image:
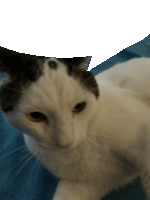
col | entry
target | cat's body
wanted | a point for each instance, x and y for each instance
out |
(101, 148)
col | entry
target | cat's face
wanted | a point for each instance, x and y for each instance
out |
(53, 100)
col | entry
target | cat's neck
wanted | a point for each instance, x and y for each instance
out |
(119, 118)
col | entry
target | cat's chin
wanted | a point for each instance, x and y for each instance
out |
(71, 148)
(65, 149)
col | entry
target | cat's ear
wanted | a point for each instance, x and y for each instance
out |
(76, 61)
(13, 63)
(84, 62)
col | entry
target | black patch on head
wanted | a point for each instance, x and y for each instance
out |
(71, 62)
(9, 95)
(22, 69)
(52, 64)
(77, 67)
(87, 79)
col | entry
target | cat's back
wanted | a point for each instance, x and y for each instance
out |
(136, 68)
(133, 75)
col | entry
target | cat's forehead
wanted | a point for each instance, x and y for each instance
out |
(53, 90)
(24, 71)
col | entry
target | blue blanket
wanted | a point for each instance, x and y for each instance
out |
(22, 180)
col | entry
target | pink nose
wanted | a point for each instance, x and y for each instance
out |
(64, 146)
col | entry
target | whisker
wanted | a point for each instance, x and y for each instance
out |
(20, 161)
(100, 148)
(25, 164)
(23, 147)
(37, 162)
(19, 153)
(122, 144)
(110, 136)
(87, 144)
(110, 154)
(45, 146)
(103, 148)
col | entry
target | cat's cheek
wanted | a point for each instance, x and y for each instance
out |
(79, 138)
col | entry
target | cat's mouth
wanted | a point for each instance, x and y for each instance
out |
(64, 146)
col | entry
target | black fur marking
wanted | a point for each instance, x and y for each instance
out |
(23, 69)
(76, 70)
(52, 64)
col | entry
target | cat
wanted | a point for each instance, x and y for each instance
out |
(92, 132)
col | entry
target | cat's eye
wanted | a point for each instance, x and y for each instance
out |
(36, 117)
(39, 117)
(79, 107)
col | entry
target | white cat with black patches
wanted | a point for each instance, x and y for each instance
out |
(91, 132)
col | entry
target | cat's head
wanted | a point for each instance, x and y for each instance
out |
(51, 99)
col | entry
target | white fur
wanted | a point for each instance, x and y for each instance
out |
(118, 121)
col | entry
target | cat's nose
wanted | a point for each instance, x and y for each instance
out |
(64, 146)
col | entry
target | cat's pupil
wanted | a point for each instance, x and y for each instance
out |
(35, 115)
(78, 106)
